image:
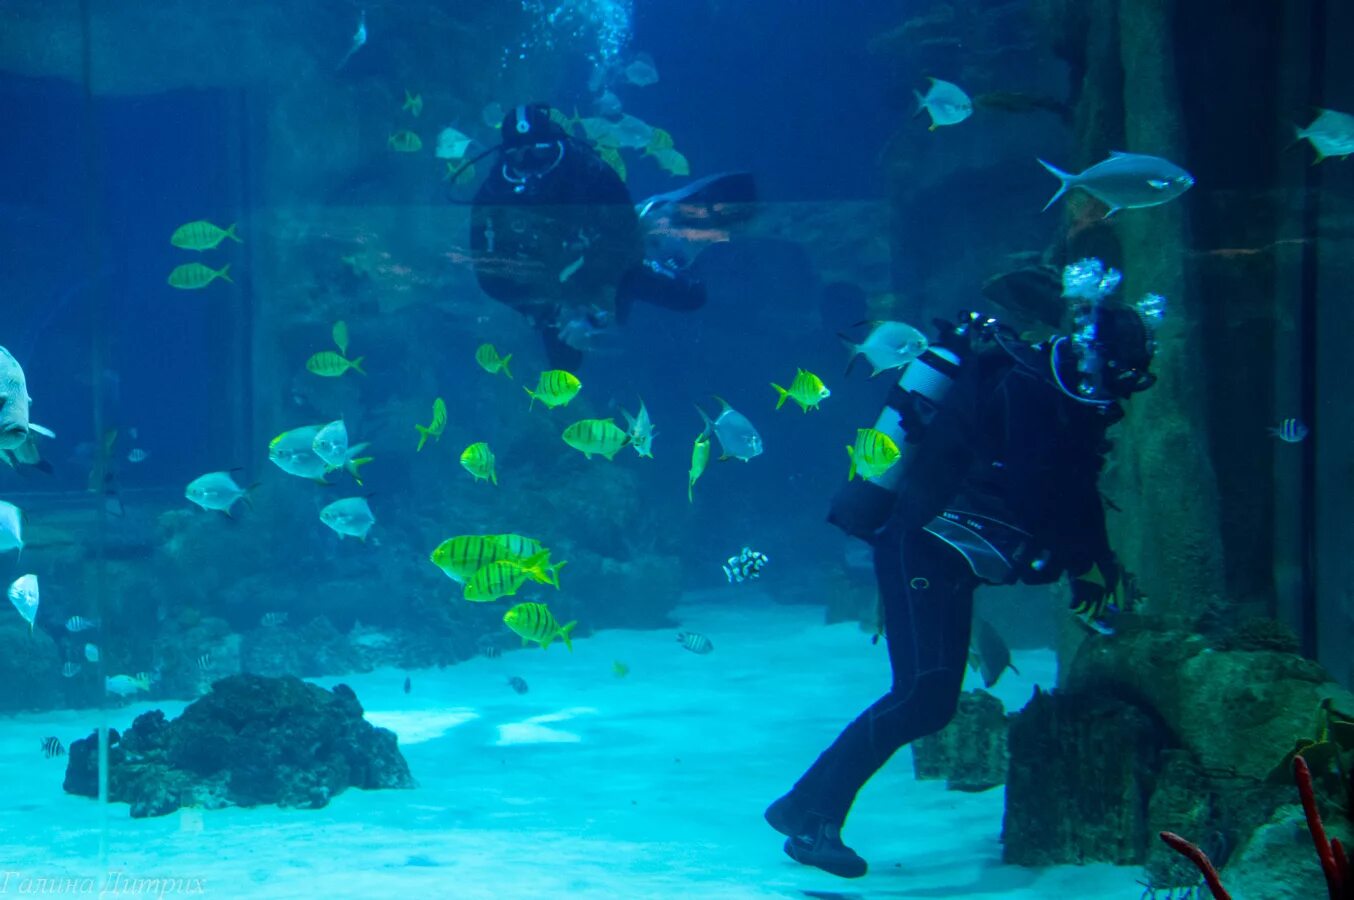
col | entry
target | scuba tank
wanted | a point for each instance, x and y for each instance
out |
(863, 506)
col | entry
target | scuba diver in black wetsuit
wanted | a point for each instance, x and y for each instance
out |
(1002, 443)
(555, 235)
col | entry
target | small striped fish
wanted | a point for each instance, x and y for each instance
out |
(873, 455)
(405, 141)
(556, 387)
(589, 436)
(192, 276)
(80, 623)
(461, 557)
(328, 364)
(487, 356)
(535, 622)
(204, 662)
(695, 642)
(478, 460)
(202, 235)
(137, 455)
(1290, 431)
(52, 748)
(70, 670)
(518, 684)
(436, 427)
(504, 577)
(273, 619)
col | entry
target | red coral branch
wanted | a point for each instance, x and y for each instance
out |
(1201, 860)
(1334, 864)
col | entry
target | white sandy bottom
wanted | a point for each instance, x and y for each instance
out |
(652, 785)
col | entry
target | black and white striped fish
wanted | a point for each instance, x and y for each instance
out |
(745, 566)
(52, 747)
(70, 670)
(273, 619)
(204, 662)
(695, 642)
(1290, 431)
(80, 623)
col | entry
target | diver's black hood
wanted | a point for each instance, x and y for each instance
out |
(530, 124)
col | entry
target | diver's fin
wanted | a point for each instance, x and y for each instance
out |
(559, 354)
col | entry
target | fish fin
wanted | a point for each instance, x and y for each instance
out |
(933, 127)
(493, 476)
(783, 394)
(689, 497)
(851, 452)
(564, 636)
(230, 233)
(723, 404)
(225, 273)
(532, 395)
(1011, 666)
(356, 365)
(921, 102)
(38, 429)
(706, 419)
(855, 353)
(1112, 210)
(504, 366)
(423, 433)
(355, 464)
(1063, 177)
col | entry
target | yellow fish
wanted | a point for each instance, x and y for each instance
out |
(535, 622)
(202, 235)
(503, 577)
(620, 668)
(478, 460)
(873, 455)
(329, 364)
(413, 103)
(555, 388)
(661, 140)
(807, 390)
(405, 142)
(700, 457)
(462, 556)
(519, 547)
(672, 162)
(340, 333)
(191, 276)
(612, 157)
(487, 356)
(438, 425)
(591, 436)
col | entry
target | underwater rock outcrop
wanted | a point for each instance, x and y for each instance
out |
(969, 753)
(28, 662)
(251, 741)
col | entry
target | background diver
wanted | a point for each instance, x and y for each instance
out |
(1002, 445)
(555, 235)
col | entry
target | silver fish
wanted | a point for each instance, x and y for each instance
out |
(11, 527)
(988, 653)
(641, 431)
(1126, 181)
(215, 491)
(350, 517)
(946, 102)
(642, 72)
(737, 436)
(16, 430)
(1331, 134)
(331, 443)
(126, 685)
(696, 643)
(294, 453)
(92, 653)
(890, 345)
(23, 593)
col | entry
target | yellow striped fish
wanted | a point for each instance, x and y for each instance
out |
(535, 622)
(413, 103)
(487, 356)
(478, 460)
(438, 425)
(807, 390)
(700, 458)
(462, 556)
(191, 276)
(329, 364)
(873, 455)
(591, 436)
(405, 142)
(503, 577)
(340, 333)
(519, 547)
(555, 388)
(202, 235)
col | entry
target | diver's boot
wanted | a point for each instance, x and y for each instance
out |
(788, 816)
(820, 845)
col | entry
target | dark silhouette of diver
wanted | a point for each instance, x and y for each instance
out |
(555, 235)
(1002, 444)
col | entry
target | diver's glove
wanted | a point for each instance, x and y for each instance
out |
(1098, 592)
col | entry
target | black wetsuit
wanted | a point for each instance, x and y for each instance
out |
(1008, 445)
